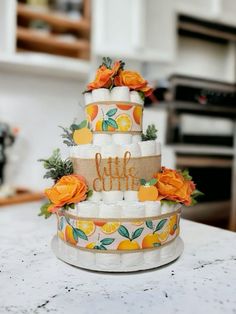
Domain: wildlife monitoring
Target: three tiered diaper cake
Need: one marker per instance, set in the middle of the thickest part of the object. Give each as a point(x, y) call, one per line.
point(117, 209)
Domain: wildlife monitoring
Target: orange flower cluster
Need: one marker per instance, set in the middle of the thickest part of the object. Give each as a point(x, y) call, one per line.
point(134, 81)
point(172, 186)
point(107, 77)
point(68, 190)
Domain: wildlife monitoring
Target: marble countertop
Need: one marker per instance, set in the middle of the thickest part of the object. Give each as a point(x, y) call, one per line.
point(33, 280)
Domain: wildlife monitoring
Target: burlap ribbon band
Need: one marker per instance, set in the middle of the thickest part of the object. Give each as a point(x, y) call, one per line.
point(112, 174)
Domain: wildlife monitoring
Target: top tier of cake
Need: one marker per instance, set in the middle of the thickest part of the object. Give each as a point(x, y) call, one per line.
point(116, 111)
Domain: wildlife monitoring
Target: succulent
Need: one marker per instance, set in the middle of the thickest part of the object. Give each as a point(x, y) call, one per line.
point(151, 133)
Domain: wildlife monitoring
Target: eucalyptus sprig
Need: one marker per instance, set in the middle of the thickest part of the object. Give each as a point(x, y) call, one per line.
point(151, 133)
point(56, 167)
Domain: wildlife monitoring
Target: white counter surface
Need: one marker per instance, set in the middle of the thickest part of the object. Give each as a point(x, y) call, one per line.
point(32, 280)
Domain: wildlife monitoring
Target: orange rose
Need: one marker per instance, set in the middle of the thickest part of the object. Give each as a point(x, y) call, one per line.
point(68, 190)
point(104, 76)
point(103, 79)
point(173, 186)
point(133, 80)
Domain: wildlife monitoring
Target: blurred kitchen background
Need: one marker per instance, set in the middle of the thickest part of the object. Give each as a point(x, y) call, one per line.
point(49, 49)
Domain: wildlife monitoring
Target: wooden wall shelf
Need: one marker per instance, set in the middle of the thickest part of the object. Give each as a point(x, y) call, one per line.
point(37, 41)
point(56, 20)
point(62, 35)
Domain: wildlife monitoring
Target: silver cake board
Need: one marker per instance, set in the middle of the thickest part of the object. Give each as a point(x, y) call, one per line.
point(59, 248)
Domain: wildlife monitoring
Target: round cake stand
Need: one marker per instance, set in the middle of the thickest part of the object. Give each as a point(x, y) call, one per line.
point(60, 249)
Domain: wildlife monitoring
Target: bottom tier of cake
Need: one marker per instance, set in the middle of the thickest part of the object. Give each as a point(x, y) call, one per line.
point(117, 262)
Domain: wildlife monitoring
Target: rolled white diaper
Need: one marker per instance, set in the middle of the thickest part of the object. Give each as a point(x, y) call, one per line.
point(148, 148)
point(102, 139)
point(168, 250)
point(134, 150)
point(120, 93)
point(95, 197)
point(86, 258)
point(88, 98)
point(101, 94)
point(131, 259)
point(167, 208)
point(121, 139)
point(152, 208)
point(76, 152)
point(112, 196)
point(87, 209)
point(88, 151)
point(108, 260)
point(136, 98)
point(71, 253)
point(73, 211)
point(136, 138)
point(109, 210)
point(110, 151)
point(158, 148)
point(131, 195)
point(152, 256)
point(72, 151)
point(133, 210)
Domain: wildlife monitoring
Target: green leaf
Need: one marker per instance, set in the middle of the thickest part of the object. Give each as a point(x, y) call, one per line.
point(107, 62)
point(107, 241)
point(104, 125)
point(153, 181)
point(149, 224)
point(111, 112)
point(44, 211)
point(72, 205)
point(156, 244)
point(97, 247)
point(143, 181)
point(123, 232)
point(68, 143)
point(161, 224)
point(83, 124)
point(112, 123)
point(142, 95)
point(102, 247)
point(61, 223)
point(186, 175)
point(193, 202)
point(66, 207)
point(197, 193)
point(75, 234)
point(74, 127)
point(137, 233)
point(80, 233)
point(90, 193)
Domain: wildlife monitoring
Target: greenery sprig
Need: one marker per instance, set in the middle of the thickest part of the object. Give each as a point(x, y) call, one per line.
point(151, 133)
point(56, 167)
point(108, 63)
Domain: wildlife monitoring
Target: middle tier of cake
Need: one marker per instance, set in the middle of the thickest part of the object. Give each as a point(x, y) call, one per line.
point(116, 169)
